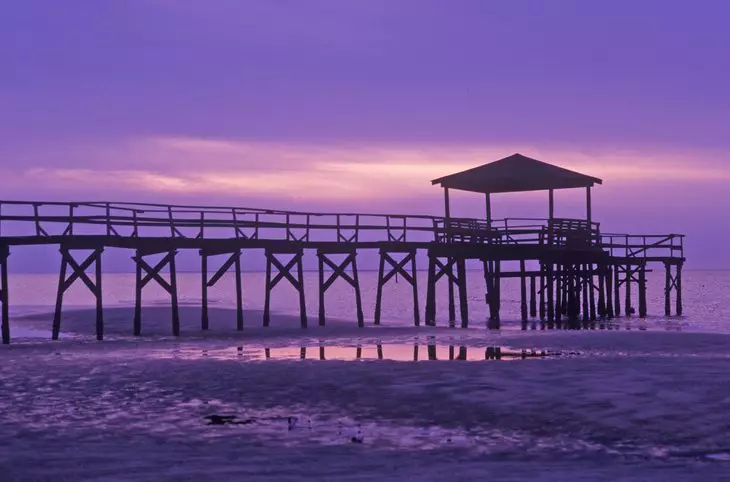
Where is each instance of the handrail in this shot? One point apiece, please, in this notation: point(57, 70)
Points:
point(297, 226)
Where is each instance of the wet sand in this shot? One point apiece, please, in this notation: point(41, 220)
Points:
point(630, 406)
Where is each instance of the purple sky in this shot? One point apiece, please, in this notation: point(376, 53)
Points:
point(357, 104)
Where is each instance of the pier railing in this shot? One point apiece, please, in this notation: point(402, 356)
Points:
point(182, 221)
point(54, 219)
point(647, 247)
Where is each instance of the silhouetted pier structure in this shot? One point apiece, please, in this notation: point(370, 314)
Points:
point(576, 281)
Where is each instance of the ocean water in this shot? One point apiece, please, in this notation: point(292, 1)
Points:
point(705, 298)
point(646, 400)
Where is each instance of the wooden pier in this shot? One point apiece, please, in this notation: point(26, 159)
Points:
point(576, 278)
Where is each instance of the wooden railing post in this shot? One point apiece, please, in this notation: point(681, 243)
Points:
point(172, 221)
point(235, 222)
point(108, 220)
point(135, 224)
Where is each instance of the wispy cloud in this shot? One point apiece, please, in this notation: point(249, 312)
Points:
point(190, 165)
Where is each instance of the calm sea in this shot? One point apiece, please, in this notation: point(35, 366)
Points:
point(706, 298)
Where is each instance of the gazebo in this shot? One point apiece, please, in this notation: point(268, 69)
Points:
point(516, 173)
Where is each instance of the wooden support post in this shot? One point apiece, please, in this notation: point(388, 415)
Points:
point(523, 294)
point(284, 272)
point(551, 204)
point(572, 291)
point(79, 273)
point(616, 290)
point(533, 298)
point(239, 292)
point(667, 289)
point(302, 304)
point(138, 296)
point(609, 292)
point(234, 260)
point(321, 290)
point(559, 291)
point(379, 292)
point(543, 287)
point(153, 273)
point(4, 298)
point(204, 290)
point(567, 292)
point(173, 295)
point(267, 293)
point(642, 291)
point(358, 295)
point(495, 296)
point(678, 287)
point(436, 271)
point(601, 272)
point(592, 292)
point(463, 301)
point(489, 210)
point(99, 304)
point(416, 312)
point(430, 317)
point(627, 287)
point(397, 267)
point(583, 279)
point(488, 289)
point(59, 299)
point(550, 296)
point(447, 216)
point(452, 302)
point(339, 271)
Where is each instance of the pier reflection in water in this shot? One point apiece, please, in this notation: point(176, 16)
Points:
point(404, 352)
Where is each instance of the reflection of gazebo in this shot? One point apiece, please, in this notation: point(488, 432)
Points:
point(517, 173)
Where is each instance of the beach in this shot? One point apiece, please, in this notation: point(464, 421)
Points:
point(607, 405)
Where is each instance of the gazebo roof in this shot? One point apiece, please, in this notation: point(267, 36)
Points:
point(515, 173)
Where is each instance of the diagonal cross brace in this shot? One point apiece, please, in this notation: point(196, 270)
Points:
point(79, 271)
point(154, 272)
point(398, 268)
point(284, 270)
point(446, 269)
point(223, 269)
point(338, 271)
